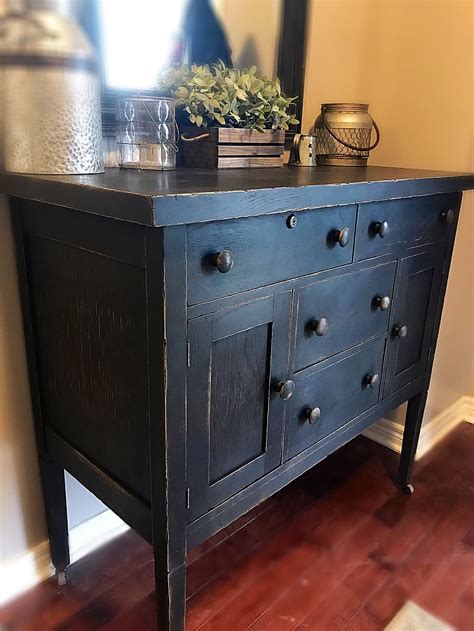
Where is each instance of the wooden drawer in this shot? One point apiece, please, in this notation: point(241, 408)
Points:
point(340, 312)
point(338, 389)
point(266, 250)
point(410, 222)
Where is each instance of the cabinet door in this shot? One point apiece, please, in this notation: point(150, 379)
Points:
point(235, 414)
point(413, 317)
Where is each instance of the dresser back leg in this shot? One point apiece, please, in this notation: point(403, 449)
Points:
point(54, 491)
point(413, 421)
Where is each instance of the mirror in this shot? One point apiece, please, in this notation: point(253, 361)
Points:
point(135, 42)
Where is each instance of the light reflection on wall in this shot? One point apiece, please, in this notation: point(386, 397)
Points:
point(138, 39)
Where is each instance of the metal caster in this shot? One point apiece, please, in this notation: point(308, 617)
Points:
point(61, 577)
point(407, 489)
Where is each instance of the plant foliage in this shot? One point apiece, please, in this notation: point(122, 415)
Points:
point(218, 95)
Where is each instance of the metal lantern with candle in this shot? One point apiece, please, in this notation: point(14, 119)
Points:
point(146, 133)
point(343, 134)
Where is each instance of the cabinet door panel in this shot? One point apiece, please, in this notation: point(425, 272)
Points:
point(417, 294)
point(235, 416)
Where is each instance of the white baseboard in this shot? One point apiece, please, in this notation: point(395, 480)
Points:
point(26, 571)
point(390, 434)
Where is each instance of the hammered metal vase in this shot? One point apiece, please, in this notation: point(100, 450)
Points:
point(343, 134)
point(50, 96)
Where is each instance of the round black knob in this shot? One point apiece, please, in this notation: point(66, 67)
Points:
point(382, 302)
point(292, 221)
point(448, 216)
point(372, 381)
point(224, 261)
point(319, 326)
point(400, 330)
point(312, 415)
point(381, 228)
point(286, 389)
point(343, 236)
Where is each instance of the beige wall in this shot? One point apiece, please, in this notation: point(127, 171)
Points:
point(413, 62)
point(21, 507)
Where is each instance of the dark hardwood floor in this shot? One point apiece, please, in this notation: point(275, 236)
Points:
point(340, 548)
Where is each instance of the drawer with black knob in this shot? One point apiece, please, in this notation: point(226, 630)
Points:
point(342, 311)
point(383, 227)
point(329, 395)
point(228, 257)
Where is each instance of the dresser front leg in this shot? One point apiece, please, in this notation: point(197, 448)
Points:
point(170, 589)
point(54, 491)
point(411, 434)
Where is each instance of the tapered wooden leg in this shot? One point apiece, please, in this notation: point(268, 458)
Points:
point(171, 597)
point(54, 491)
point(167, 352)
point(413, 421)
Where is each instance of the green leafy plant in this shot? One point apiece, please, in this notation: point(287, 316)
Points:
point(218, 95)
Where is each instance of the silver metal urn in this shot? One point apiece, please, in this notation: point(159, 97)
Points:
point(50, 98)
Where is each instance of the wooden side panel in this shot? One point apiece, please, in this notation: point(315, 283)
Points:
point(89, 319)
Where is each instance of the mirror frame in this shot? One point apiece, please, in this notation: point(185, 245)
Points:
point(290, 66)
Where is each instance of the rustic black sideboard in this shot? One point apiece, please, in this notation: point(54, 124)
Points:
point(198, 339)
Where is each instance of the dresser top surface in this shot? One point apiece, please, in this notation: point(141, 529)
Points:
point(161, 198)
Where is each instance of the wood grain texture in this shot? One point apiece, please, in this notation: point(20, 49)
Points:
point(115, 240)
point(249, 162)
point(90, 333)
point(250, 150)
point(249, 136)
point(239, 399)
point(340, 534)
point(410, 222)
point(132, 510)
point(249, 497)
point(235, 416)
point(179, 423)
point(241, 148)
point(166, 318)
point(348, 303)
point(193, 195)
point(338, 389)
point(417, 293)
point(265, 250)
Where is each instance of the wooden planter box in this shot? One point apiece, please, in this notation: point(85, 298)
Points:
point(229, 148)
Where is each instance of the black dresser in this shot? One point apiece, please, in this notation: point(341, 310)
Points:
point(198, 339)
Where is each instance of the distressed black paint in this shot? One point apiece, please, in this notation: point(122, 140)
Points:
point(123, 323)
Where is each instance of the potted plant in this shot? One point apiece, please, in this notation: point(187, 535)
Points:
point(229, 117)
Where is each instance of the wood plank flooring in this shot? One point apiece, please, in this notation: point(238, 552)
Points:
point(339, 549)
